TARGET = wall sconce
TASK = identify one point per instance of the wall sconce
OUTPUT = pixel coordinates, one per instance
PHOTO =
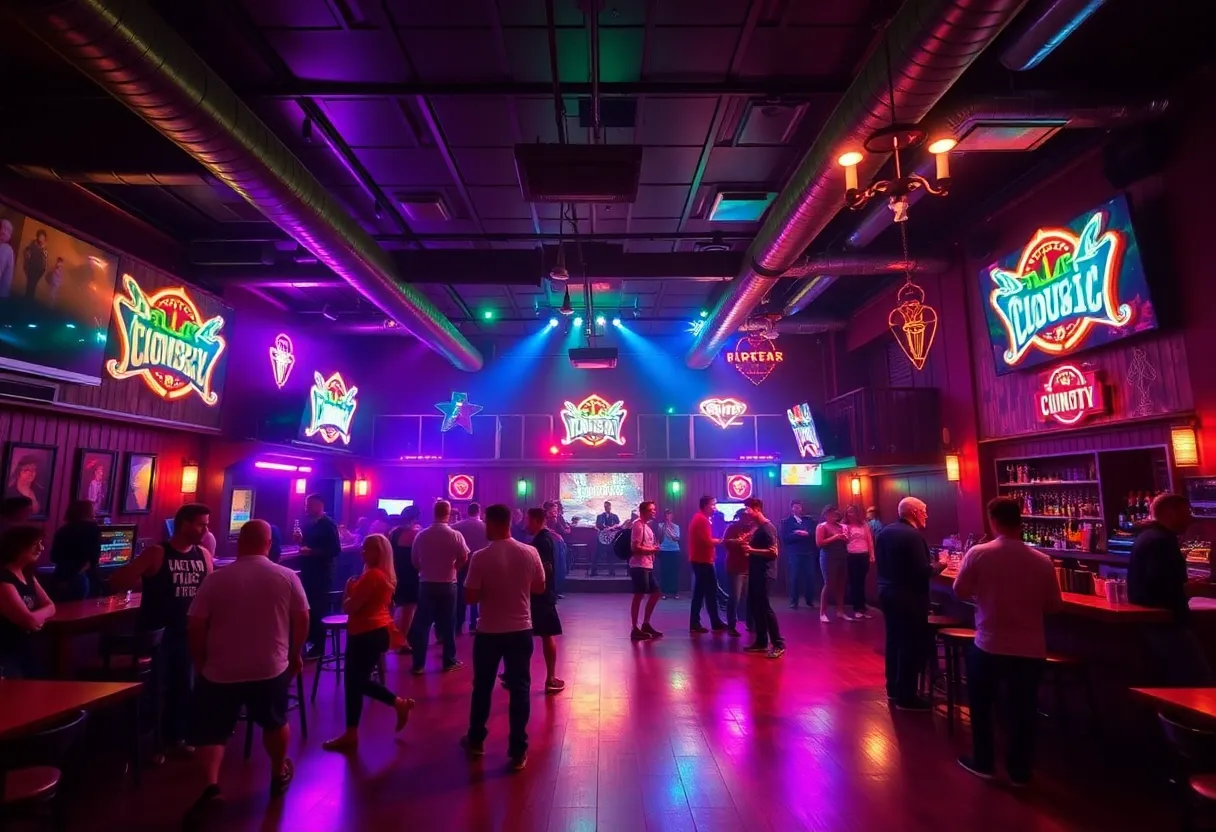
(189, 478)
(855, 486)
(1186, 446)
(361, 488)
(345, 488)
(301, 486)
(952, 468)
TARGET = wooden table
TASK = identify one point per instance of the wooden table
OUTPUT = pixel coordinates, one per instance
(87, 616)
(30, 705)
(1199, 702)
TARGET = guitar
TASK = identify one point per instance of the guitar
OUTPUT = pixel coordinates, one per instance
(608, 534)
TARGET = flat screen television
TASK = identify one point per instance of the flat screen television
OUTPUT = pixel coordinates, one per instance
(801, 474)
(583, 495)
(117, 545)
(241, 510)
(1066, 290)
(56, 295)
(393, 505)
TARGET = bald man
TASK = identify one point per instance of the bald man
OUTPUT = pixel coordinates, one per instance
(246, 626)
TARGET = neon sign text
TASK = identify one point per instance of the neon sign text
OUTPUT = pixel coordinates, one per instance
(1068, 395)
(755, 357)
(1064, 285)
(282, 359)
(723, 412)
(593, 421)
(164, 339)
(332, 406)
(803, 425)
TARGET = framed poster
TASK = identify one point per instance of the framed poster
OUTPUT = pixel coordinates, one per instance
(30, 472)
(95, 473)
(141, 475)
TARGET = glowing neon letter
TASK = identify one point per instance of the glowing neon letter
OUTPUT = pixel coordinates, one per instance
(332, 409)
(282, 359)
(723, 412)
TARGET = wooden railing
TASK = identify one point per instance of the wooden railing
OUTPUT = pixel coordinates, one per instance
(886, 426)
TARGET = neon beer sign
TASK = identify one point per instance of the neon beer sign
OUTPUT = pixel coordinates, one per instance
(282, 359)
(805, 434)
(1068, 394)
(723, 412)
(163, 339)
(331, 409)
(593, 421)
(755, 356)
(460, 486)
(1064, 286)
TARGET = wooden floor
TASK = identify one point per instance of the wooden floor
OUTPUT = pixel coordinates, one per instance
(685, 733)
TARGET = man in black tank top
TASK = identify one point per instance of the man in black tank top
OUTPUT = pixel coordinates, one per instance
(168, 575)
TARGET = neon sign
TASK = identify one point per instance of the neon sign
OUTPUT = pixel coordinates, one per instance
(164, 339)
(458, 412)
(282, 359)
(913, 323)
(723, 412)
(332, 408)
(460, 487)
(593, 421)
(1068, 395)
(738, 486)
(1063, 286)
(803, 425)
(755, 356)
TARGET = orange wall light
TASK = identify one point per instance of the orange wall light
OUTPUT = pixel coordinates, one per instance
(301, 486)
(953, 466)
(361, 488)
(855, 486)
(1186, 446)
(189, 478)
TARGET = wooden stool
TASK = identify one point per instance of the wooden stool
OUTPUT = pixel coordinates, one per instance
(1058, 668)
(331, 662)
(1194, 755)
(955, 640)
(295, 702)
(937, 623)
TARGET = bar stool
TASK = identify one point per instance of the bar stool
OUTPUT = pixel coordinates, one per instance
(937, 623)
(1194, 755)
(295, 702)
(955, 640)
(334, 626)
(36, 766)
(1059, 669)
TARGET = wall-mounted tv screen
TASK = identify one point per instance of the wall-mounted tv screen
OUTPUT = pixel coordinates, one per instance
(393, 505)
(583, 495)
(117, 545)
(801, 474)
(56, 295)
(1067, 289)
(241, 511)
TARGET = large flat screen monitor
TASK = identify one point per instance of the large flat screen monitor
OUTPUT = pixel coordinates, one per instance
(393, 505)
(117, 545)
(1066, 290)
(56, 295)
(801, 474)
(583, 495)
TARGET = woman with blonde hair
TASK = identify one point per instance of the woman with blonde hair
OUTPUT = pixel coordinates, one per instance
(369, 634)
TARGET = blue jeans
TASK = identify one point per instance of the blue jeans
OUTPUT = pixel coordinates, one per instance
(704, 591)
(803, 568)
(738, 610)
(437, 607)
(461, 606)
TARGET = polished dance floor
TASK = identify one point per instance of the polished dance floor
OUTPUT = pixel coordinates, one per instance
(684, 733)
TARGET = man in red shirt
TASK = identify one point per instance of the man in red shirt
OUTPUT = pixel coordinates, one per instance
(701, 545)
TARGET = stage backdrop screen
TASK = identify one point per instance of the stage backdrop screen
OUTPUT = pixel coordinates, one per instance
(583, 495)
(56, 294)
(1066, 290)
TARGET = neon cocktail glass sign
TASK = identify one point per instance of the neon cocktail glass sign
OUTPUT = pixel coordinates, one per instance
(331, 409)
(163, 338)
(1064, 286)
(282, 359)
(803, 425)
(593, 421)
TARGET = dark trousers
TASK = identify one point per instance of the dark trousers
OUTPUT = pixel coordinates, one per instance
(603, 554)
(909, 641)
(805, 578)
(461, 606)
(704, 592)
(437, 608)
(737, 607)
(986, 673)
(560, 567)
(362, 653)
(178, 682)
(317, 576)
(759, 585)
(514, 652)
(858, 566)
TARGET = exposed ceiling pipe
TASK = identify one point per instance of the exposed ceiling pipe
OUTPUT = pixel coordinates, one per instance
(806, 293)
(1044, 31)
(126, 48)
(1073, 110)
(930, 44)
(770, 326)
(864, 264)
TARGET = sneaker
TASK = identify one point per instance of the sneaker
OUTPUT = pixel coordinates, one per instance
(968, 764)
(456, 665)
(203, 808)
(823, 619)
(794, 606)
(474, 749)
(651, 631)
(917, 705)
(697, 629)
(756, 648)
(281, 782)
(777, 652)
(554, 686)
(519, 763)
(639, 635)
(733, 633)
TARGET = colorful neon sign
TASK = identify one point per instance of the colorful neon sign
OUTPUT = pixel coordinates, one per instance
(755, 356)
(282, 359)
(593, 421)
(805, 434)
(913, 323)
(458, 412)
(738, 486)
(1064, 285)
(164, 339)
(332, 409)
(1068, 395)
(460, 486)
(723, 412)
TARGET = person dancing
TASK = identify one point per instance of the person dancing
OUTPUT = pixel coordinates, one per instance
(546, 625)
(405, 596)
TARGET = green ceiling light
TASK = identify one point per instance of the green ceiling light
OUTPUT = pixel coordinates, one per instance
(674, 486)
(521, 488)
(488, 314)
(704, 313)
(671, 410)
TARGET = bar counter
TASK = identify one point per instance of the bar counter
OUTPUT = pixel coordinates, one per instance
(1088, 606)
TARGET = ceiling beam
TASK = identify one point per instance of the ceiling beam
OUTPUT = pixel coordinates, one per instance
(764, 87)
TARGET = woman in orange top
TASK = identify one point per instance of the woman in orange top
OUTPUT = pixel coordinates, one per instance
(369, 634)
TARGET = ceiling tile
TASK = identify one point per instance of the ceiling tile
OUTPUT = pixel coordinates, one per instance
(412, 167)
(486, 165)
(454, 13)
(503, 202)
(801, 52)
(370, 122)
(717, 13)
(455, 54)
(620, 54)
(476, 120)
(300, 14)
(691, 52)
(669, 165)
(675, 121)
(340, 55)
(660, 201)
(747, 165)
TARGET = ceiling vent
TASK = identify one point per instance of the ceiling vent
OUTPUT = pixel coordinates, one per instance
(740, 206)
(424, 207)
(16, 387)
(578, 172)
(1006, 136)
(769, 123)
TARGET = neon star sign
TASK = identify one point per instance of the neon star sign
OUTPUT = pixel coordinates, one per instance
(163, 339)
(723, 412)
(332, 409)
(1064, 286)
(282, 359)
(593, 421)
(458, 412)
(1068, 394)
(805, 434)
(755, 356)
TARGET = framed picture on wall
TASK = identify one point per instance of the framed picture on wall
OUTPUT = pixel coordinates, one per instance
(95, 476)
(141, 475)
(29, 471)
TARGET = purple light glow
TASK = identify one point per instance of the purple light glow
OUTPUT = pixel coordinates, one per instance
(282, 466)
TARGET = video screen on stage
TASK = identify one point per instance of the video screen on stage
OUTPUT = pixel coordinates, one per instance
(583, 495)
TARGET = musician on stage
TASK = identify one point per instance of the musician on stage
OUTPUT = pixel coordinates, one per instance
(603, 547)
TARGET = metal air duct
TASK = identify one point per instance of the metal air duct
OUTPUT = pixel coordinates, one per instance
(1043, 33)
(134, 55)
(931, 43)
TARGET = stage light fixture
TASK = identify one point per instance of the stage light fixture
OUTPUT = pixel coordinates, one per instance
(599, 320)
(616, 322)
(578, 321)
(552, 322)
(488, 314)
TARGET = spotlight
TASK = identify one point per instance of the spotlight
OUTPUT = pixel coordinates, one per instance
(671, 410)
(704, 313)
(616, 322)
(578, 321)
(488, 314)
(599, 320)
(566, 308)
(552, 322)
(553, 450)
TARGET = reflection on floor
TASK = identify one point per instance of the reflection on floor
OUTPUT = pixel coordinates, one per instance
(683, 733)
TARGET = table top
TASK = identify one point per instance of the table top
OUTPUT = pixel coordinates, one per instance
(1096, 607)
(90, 611)
(30, 705)
(1200, 701)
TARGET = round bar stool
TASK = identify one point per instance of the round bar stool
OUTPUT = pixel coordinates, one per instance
(1060, 669)
(955, 640)
(331, 662)
(937, 623)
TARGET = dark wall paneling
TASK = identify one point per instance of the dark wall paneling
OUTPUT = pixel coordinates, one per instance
(939, 495)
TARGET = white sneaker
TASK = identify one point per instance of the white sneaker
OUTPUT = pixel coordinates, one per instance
(823, 619)
(848, 617)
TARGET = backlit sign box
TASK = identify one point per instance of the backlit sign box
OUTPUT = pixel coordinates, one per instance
(1068, 394)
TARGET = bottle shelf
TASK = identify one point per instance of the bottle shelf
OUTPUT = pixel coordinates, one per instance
(1058, 517)
(1046, 483)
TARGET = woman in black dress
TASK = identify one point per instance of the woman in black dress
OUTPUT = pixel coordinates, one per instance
(75, 551)
(545, 623)
(405, 595)
(24, 605)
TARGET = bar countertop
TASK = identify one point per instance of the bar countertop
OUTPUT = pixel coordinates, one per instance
(1090, 606)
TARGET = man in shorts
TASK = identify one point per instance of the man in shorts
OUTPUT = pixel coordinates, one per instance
(246, 629)
(641, 571)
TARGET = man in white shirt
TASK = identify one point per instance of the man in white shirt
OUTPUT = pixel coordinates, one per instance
(641, 571)
(438, 553)
(473, 530)
(502, 579)
(246, 628)
(1012, 586)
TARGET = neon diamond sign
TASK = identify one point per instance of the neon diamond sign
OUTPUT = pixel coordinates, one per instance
(723, 412)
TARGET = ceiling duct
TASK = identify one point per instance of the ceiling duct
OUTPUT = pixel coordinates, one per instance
(772, 326)
(931, 43)
(134, 55)
(1051, 24)
(864, 264)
